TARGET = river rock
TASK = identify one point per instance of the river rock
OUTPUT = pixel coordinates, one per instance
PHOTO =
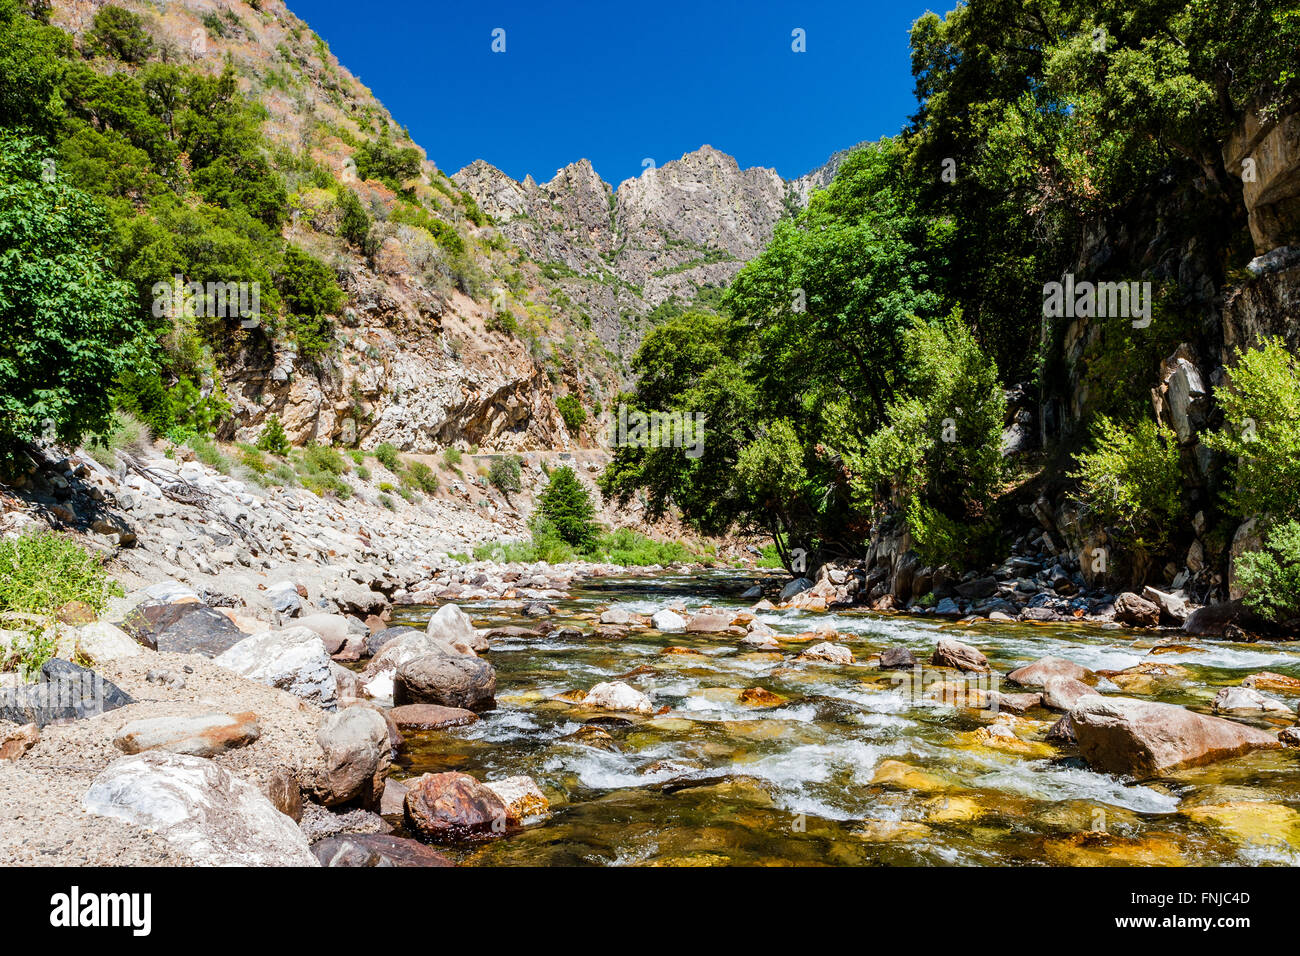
(1014, 703)
(203, 736)
(407, 647)
(760, 640)
(616, 695)
(1136, 611)
(100, 641)
(1044, 669)
(1062, 693)
(63, 691)
(284, 598)
(826, 651)
(897, 658)
(977, 589)
(948, 608)
(357, 753)
(293, 659)
(201, 810)
(1247, 702)
(417, 717)
(1062, 732)
(453, 807)
(950, 653)
(377, 640)
(708, 623)
(522, 797)
(1142, 738)
(513, 632)
(797, 586)
(1290, 737)
(668, 621)
(186, 628)
(375, 849)
(1213, 619)
(284, 790)
(452, 626)
(333, 629)
(449, 679)
(1278, 683)
(18, 741)
(616, 615)
(1173, 609)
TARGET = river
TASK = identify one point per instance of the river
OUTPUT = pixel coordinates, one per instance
(848, 768)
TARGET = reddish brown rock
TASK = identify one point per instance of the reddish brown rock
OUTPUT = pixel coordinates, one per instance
(1142, 738)
(1040, 671)
(16, 743)
(415, 717)
(1136, 611)
(708, 623)
(454, 807)
(375, 849)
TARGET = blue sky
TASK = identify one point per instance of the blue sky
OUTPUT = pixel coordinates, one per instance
(618, 83)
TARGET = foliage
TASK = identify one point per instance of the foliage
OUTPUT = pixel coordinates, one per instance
(311, 293)
(567, 506)
(1261, 430)
(69, 327)
(119, 34)
(1131, 479)
(273, 438)
(505, 474)
(451, 456)
(1271, 576)
(419, 475)
(386, 454)
(571, 410)
(354, 221)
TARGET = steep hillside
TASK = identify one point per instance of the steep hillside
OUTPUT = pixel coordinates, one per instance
(673, 234)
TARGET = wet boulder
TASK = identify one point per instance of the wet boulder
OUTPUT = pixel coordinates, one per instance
(452, 680)
(1247, 702)
(1136, 611)
(1062, 693)
(618, 696)
(1044, 669)
(522, 797)
(1142, 738)
(420, 717)
(668, 621)
(453, 808)
(951, 653)
(897, 658)
(828, 652)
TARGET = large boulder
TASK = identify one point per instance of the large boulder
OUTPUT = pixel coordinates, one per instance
(201, 810)
(454, 807)
(1062, 693)
(668, 621)
(797, 586)
(63, 691)
(898, 658)
(1213, 619)
(183, 628)
(293, 659)
(375, 849)
(950, 653)
(1142, 738)
(1042, 670)
(1173, 609)
(977, 589)
(1136, 611)
(204, 736)
(452, 626)
(446, 678)
(357, 754)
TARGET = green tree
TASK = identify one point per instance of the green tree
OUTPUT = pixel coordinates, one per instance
(68, 326)
(120, 34)
(505, 474)
(566, 505)
(354, 223)
(273, 438)
(571, 410)
(1270, 577)
(1131, 479)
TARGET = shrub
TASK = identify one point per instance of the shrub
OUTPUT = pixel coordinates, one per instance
(572, 412)
(39, 574)
(386, 454)
(324, 458)
(354, 223)
(1271, 577)
(1261, 414)
(208, 452)
(1132, 479)
(273, 438)
(420, 475)
(567, 506)
(505, 474)
(451, 457)
(632, 549)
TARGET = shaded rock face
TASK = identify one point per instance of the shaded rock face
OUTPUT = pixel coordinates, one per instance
(375, 849)
(201, 810)
(1272, 193)
(453, 808)
(1141, 739)
(452, 680)
(63, 691)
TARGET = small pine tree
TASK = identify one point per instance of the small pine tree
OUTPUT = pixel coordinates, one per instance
(567, 506)
(273, 439)
(354, 223)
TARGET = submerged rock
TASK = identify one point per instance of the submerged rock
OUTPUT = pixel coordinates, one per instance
(1142, 738)
(417, 717)
(375, 849)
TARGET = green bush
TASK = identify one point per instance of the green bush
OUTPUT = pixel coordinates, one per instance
(386, 454)
(39, 574)
(354, 222)
(567, 506)
(125, 433)
(505, 474)
(632, 549)
(1261, 416)
(451, 457)
(419, 475)
(1132, 480)
(118, 33)
(324, 458)
(571, 410)
(1271, 577)
(273, 438)
(209, 453)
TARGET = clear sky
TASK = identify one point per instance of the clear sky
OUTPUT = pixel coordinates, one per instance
(618, 83)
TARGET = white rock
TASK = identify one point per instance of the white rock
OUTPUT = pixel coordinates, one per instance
(453, 626)
(328, 626)
(668, 621)
(202, 811)
(826, 651)
(293, 659)
(616, 695)
(101, 641)
(1246, 701)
